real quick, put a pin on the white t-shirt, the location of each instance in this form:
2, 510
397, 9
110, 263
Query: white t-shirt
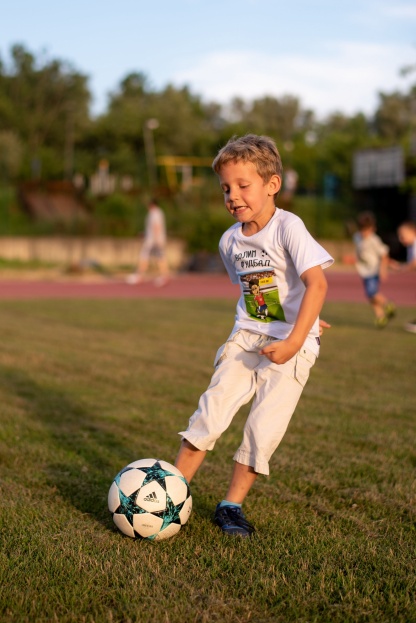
155, 227
411, 252
369, 249
267, 266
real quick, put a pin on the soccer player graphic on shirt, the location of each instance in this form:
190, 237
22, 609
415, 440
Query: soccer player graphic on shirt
262, 309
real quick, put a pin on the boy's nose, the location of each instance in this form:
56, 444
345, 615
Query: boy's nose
234, 194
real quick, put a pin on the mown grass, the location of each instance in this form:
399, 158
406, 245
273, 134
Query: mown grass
88, 386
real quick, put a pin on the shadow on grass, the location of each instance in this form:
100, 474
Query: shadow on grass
78, 453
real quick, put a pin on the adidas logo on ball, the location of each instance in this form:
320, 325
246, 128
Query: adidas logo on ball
152, 497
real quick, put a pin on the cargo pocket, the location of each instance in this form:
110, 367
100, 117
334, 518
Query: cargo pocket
304, 362
221, 355
223, 350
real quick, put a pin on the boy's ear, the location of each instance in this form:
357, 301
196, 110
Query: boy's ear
275, 184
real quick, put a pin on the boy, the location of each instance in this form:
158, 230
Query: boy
372, 263
268, 357
154, 246
406, 233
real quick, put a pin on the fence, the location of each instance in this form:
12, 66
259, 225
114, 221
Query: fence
76, 250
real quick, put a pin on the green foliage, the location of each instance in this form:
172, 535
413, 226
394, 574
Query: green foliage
88, 386
13, 221
11, 150
45, 104
338, 139
203, 234
24, 265
116, 215
323, 218
47, 132
279, 118
396, 115
199, 217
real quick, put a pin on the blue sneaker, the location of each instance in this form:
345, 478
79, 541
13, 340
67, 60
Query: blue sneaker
231, 520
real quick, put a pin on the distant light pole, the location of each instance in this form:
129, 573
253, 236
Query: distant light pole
149, 146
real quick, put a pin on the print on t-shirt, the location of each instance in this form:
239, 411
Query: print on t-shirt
261, 296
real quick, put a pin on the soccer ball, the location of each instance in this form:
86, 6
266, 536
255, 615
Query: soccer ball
150, 499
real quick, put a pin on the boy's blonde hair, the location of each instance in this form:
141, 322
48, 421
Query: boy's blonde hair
260, 150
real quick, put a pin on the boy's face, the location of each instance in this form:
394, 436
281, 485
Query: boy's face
406, 236
367, 231
247, 198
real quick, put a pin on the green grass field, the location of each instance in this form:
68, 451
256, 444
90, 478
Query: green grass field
88, 386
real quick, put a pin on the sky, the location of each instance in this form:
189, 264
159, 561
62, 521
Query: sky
333, 56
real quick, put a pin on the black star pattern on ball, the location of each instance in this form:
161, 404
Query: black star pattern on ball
128, 506
171, 513
155, 473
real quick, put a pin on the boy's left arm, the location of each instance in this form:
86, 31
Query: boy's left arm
313, 299
410, 265
384, 264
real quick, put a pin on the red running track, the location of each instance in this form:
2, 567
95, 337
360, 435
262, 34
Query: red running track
343, 286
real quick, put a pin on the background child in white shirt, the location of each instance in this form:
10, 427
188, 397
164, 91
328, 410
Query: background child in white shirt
372, 264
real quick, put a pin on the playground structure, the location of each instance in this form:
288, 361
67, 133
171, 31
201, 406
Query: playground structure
184, 164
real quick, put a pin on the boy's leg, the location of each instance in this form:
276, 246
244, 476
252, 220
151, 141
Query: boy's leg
383, 310
279, 388
378, 302
242, 480
228, 514
143, 264
232, 385
141, 268
189, 459
163, 268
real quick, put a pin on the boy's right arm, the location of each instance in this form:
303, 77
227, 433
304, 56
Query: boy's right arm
313, 299
323, 324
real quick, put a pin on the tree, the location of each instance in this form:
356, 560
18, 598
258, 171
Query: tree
393, 118
45, 103
10, 155
337, 140
279, 118
186, 125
